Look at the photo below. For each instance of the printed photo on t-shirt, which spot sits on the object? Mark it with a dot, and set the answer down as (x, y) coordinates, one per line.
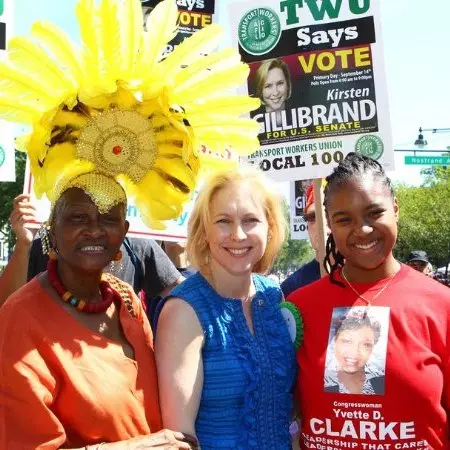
(356, 352)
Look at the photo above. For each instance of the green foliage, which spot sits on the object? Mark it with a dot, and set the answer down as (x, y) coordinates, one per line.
(8, 191)
(424, 222)
(293, 254)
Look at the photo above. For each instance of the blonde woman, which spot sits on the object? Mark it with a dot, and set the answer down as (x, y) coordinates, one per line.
(273, 85)
(224, 356)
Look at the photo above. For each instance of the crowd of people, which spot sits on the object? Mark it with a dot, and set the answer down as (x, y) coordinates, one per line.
(109, 342)
(223, 370)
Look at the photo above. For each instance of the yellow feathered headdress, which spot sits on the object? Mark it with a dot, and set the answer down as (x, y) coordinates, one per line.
(114, 107)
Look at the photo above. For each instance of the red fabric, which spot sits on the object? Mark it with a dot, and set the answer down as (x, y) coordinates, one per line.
(413, 411)
(63, 385)
(309, 197)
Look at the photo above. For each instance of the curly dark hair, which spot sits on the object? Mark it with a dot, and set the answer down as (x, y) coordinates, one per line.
(355, 322)
(353, 166)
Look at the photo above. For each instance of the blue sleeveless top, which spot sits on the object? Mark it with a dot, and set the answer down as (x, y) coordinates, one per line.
(246, 401)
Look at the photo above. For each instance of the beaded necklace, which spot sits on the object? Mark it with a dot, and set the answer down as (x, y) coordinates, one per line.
(108, 294)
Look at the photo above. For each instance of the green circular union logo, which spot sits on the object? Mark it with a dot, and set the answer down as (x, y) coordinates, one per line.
(2, 156)
(259, 31)
(370, 145)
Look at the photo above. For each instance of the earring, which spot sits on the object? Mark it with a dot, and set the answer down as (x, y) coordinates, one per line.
(47, 248)
(269, 236)
(116, 264)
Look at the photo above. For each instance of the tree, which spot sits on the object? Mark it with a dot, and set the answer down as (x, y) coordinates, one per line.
(8, 191)
(293, 253)
(424, 222)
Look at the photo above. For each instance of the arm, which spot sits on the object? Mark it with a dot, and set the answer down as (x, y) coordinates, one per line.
(178, 352)
(167, 290)
(15, 274)
(29, 390)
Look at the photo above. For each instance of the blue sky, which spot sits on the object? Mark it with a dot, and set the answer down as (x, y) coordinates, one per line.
(417, 53)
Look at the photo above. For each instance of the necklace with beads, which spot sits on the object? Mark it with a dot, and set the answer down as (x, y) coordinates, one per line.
(368, 302)
(108, 294)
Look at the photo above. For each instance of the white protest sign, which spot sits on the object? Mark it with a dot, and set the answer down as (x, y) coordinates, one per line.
(176, 229)
(298, 224)
(318, 68)
(7, 161)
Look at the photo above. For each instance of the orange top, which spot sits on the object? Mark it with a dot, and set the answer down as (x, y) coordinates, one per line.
(65, 385)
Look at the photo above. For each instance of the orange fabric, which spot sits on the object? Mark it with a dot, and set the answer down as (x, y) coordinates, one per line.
(63, 385)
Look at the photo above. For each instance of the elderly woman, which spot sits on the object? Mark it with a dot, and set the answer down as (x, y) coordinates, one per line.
(76, 355)
(225, 359)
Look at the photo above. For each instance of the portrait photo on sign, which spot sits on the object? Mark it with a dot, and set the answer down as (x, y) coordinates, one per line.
(356, 352)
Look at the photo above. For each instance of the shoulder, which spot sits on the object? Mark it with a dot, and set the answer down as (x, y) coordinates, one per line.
(178, 318)
(304, 295)
(27, 297)
(421, 285)
(190, 285)
(25, 313)
(269, 287)
(304, 275)
(141, 245)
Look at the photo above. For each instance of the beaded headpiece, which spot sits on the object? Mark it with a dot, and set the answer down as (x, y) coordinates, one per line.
(114, 111)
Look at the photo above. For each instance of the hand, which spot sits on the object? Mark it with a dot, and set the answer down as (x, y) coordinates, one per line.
(162, 440)
(23, 212)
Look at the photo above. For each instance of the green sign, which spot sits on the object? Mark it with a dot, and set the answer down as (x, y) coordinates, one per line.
(428, 160)
(1, 7)
(259, 31)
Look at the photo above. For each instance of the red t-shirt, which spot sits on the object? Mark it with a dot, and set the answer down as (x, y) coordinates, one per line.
(375, 377)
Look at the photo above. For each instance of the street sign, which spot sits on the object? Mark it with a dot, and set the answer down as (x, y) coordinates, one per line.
(428, 160)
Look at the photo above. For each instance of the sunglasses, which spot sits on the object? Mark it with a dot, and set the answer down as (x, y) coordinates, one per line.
(310, 218)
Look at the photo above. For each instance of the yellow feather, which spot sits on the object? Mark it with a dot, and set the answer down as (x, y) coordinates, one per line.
(19, 110)
(32, 58)
(63, 49)
(169, 150)
(87, 19)
(157, 187)
(196, 46)
(58, 158)
(176, 169)
(132, 29)
(110, 38)
(14, 83)
(209, 86)
(201, 67)
(170, 136)
(161, 27)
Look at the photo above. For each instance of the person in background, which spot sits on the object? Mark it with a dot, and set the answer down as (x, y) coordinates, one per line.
(414, 311)
(309, 272)
(144, 265)
(225, 358)
(418, 260)
(176, 251)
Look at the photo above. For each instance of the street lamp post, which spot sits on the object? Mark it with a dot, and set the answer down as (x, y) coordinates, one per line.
(421, 143)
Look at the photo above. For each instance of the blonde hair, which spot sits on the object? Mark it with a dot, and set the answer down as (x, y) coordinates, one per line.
(262, 72)
(197, 246)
